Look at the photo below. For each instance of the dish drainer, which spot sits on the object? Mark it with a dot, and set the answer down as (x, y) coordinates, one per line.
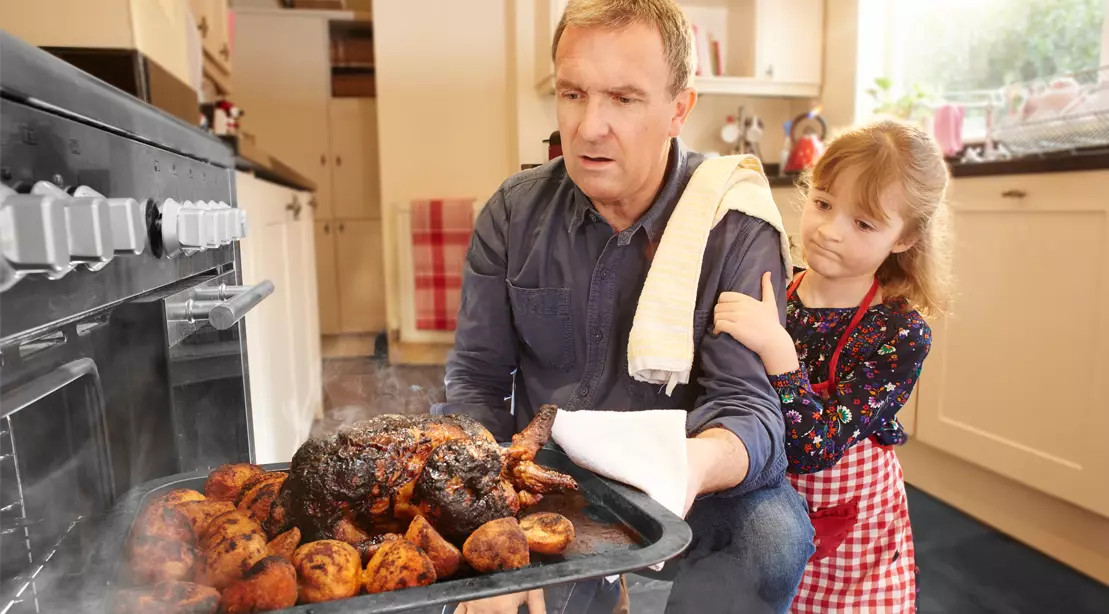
(1054, 114)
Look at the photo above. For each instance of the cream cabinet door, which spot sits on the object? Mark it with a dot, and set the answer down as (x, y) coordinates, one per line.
(327, 273)
(282, 80)
(265, 255)
(789, 40)
(1011, 381)
(355, 178)
(361, 276)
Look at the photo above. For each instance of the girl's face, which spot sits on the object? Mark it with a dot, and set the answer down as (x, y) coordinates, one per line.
(840, 240)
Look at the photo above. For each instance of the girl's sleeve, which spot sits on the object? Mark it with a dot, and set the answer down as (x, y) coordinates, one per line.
(818, 433)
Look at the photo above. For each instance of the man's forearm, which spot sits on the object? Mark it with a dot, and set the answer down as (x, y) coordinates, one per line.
(719, 459)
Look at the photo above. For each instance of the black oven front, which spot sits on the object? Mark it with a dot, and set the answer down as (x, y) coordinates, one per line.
(122, 352)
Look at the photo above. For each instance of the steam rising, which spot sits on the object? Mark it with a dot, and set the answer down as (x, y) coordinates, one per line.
(359, 389)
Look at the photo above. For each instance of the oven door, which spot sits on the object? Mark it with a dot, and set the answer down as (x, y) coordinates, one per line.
(147, 388)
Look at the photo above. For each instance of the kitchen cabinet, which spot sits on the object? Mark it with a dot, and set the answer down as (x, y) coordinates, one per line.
(212, 24)
(361, 274)
(788, 41)
(770, 48)
(327, 284)
(283, 342)
(282, 81)
(333, 141)
(1006, 386)
(355, 174)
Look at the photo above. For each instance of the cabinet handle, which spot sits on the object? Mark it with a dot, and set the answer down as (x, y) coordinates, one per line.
(323, 159)
(312, 202)
(770, 71)
(327, 229)
(338, 160)
(341, 228)
(203, 27)
(225, 52)
(1014, 193)
(294, 207)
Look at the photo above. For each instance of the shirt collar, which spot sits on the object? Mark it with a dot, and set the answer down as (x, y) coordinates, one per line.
(654, 220)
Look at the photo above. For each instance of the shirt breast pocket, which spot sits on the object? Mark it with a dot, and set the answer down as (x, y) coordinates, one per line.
(544, 324)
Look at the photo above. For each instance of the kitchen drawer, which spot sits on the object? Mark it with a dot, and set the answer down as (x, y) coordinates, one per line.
(1074, 191)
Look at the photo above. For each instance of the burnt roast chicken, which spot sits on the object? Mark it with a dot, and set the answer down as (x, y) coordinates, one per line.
(375, 476)
(389, 503)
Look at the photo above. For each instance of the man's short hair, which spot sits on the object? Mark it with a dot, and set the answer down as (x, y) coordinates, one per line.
(663, 15)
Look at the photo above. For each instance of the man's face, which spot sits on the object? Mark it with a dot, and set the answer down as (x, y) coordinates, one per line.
(615, 112)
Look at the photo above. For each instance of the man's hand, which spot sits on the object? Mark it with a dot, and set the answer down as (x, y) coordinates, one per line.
(755, 324)
(506, 604)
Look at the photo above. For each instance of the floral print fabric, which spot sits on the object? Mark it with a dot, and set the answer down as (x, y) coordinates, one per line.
(877, 369)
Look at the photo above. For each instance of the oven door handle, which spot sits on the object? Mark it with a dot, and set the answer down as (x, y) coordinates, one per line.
(225, 305)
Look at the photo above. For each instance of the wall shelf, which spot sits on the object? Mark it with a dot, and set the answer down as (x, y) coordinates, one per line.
(731, 86)
(747, 86)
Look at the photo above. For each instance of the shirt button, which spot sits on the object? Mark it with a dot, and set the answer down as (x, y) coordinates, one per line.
(604, 274)
(583, 391)
(598, 335)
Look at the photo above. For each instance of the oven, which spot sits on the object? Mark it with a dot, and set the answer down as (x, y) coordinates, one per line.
(122, 347)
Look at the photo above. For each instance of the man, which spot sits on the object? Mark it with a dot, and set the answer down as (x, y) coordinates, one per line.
(557, 261)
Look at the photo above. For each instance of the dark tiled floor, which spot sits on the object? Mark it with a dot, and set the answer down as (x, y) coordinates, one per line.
(965, 566)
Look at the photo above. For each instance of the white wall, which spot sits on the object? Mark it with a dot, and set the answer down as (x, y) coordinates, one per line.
(443, 106)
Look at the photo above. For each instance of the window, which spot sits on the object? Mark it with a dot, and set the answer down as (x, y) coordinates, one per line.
(967, 50)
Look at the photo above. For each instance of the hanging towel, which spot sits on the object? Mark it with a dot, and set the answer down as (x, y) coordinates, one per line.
(660, 347)
(947, 128)
(441, 232)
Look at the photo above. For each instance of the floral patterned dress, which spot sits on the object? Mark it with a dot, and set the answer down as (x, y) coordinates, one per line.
(839, 429)
(877, 369)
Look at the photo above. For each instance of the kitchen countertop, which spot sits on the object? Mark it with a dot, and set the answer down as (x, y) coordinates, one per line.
(1097, 159)
(252, 159)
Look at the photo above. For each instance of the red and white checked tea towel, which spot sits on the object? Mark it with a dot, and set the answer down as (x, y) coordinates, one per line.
(873, 570)
(441, 230)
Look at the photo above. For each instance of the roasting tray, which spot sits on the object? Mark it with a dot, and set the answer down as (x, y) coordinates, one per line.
(617, 529)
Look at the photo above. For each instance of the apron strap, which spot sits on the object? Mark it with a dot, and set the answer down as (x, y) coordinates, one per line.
(859, 313)
(826, 388)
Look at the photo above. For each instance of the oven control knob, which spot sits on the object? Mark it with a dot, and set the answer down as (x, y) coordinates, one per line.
(208, 221)
(229, 218)
(88, 226)
(128, 222)
(243, 225)
(192, 226)
(220, 217)
(33, 234)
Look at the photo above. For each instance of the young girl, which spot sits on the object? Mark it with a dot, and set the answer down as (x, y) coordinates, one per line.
(874, 240)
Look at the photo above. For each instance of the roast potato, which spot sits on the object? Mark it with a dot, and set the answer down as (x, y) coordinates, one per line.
(270, 584)
(327, 570)
(154, 559)
(225, 483)
(258, 497)
(497, 545)
(178, 495)
(547, 532)
(200, 513)
(442, 553)
(222, 563)
(227, 525)
(168, 598)
(257, 480)
(398, 564)
(166, 522)
(285, 545)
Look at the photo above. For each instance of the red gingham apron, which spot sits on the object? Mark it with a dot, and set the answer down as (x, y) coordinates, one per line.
(865, 560)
